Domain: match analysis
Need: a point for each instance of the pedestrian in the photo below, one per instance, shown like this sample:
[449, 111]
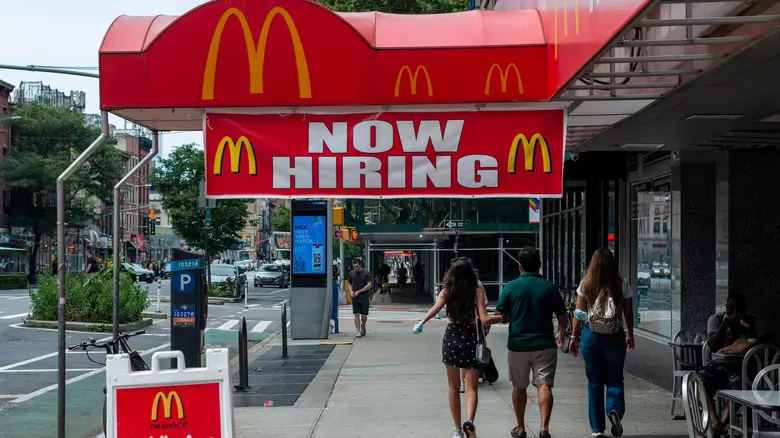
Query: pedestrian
[92, 264]
[527, 304]
[487, 331]
[605, 301]
[466, 312]
[360, 286]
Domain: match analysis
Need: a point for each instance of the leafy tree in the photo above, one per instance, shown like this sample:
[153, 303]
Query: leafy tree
[396, 6]
[178, 178]
[280, 221]
[45, 141]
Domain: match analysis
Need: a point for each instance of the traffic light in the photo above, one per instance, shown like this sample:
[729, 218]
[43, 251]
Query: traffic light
[151, 214]
[152, 226]
[145, 226]
[338, 216]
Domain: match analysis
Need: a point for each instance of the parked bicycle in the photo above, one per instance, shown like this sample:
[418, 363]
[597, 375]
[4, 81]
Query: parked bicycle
[116, 345]
[570, 300]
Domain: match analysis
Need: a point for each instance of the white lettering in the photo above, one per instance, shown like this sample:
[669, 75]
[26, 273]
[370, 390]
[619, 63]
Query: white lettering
[355, 167]
[430, 131]
[283, 172]
[320, 135]
[475, 171]
[327, 172]
[361, 136]
[396, 172]
[423, 170]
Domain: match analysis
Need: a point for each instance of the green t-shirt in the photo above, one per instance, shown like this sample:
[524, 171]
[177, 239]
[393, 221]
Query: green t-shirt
[529, 303]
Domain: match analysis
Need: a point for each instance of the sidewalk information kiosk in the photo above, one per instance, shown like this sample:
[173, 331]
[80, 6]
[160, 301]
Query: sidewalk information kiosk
[189, 308]
[311, 275]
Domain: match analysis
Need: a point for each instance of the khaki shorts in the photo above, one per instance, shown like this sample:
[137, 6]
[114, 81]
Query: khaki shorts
[542, 363]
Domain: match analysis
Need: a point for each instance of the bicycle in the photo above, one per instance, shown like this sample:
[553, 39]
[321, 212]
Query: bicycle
[116, 345]
[571, 306]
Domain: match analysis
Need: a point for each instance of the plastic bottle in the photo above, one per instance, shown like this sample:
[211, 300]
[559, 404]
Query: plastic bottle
[418, 328]
[581, 315]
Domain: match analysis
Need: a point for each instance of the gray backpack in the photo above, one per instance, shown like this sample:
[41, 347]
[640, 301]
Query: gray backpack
[604, 316]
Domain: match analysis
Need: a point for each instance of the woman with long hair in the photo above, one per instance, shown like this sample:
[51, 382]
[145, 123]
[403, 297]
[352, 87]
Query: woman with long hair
[465, 303]
[604, 299]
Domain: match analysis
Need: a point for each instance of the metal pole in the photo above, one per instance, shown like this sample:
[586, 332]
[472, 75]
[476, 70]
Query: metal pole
[117, 218]
[47, 70]
[328, 271]
[284, 331]
[159, 288]
[61, 287]
[246, 292]
[500, 263]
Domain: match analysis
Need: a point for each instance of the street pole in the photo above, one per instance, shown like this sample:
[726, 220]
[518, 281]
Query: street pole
[117, 218]
[61, 285]
[328, 269]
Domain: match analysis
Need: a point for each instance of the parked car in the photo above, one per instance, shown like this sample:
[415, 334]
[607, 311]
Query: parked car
[643, 282]
[220, 273]
[137, 272]
[166, 271]
[272, 275]
[246, 265]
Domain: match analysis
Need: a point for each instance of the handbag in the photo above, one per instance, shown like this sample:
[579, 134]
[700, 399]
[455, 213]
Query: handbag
[483, 352]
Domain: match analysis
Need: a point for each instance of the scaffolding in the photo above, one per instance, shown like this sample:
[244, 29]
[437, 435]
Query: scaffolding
[37, 92]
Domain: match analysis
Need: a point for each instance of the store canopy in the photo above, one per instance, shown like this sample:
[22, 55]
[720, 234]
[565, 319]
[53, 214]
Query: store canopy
[163, 72]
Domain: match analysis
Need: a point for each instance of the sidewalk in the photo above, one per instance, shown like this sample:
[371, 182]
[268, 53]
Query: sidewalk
[392, 383]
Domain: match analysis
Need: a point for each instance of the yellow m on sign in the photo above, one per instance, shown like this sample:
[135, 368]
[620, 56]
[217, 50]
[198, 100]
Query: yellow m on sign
[413, 79]
[529, 151]
[167, 401]
[234, 149]
[256, 54]
[504, 76]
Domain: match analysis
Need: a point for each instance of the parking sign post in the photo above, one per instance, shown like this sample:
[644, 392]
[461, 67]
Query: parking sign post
[188, 306]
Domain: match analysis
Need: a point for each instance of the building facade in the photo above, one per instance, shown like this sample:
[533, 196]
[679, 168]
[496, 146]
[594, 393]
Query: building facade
[5, 148]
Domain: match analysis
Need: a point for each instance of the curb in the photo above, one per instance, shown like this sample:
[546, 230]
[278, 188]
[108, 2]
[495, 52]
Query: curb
[89, 326]
[211, 300]
[154, 315]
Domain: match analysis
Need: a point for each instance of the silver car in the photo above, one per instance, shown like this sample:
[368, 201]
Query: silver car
[272, 275]
[220, 273]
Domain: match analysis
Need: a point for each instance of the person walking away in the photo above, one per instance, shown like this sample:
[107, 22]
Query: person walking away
[92, 264]
[606, 337]
[527, 304]
[465, 304]
[486, 328]
[359, 286]
[403, 277]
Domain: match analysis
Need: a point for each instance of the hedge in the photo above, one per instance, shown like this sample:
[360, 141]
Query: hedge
[13, 281]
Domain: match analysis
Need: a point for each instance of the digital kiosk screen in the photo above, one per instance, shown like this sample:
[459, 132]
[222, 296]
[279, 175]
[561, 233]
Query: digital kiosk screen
[309, 238]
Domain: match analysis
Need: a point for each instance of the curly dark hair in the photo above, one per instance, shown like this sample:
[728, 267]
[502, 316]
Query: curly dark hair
[461, 283]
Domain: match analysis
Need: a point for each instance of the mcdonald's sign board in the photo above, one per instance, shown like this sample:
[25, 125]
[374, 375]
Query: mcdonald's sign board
[413, 77]
[503, 74]
[389, 154]
[177, 411]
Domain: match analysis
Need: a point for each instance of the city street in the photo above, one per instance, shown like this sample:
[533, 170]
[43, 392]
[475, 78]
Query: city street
[28, 357]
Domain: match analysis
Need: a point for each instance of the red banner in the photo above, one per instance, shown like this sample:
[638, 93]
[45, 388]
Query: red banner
[457, 154]
[180, 411]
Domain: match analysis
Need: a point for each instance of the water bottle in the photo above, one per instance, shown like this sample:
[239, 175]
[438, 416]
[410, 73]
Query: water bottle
[418, 328]
[581, 315]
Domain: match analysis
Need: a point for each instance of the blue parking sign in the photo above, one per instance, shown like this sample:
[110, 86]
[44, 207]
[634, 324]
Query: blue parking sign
[183, 282]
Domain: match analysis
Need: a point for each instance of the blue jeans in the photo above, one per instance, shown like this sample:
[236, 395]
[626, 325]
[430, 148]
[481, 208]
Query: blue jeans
[604, 357]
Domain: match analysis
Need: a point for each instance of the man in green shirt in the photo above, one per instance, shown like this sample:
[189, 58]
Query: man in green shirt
[528, 304]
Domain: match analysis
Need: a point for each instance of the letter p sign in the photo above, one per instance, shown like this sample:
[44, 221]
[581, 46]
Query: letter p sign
[183, 283]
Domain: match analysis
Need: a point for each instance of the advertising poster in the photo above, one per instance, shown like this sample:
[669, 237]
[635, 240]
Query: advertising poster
[309, 245]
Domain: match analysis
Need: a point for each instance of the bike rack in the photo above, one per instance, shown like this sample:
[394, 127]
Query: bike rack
[284, 331]
[243, 358]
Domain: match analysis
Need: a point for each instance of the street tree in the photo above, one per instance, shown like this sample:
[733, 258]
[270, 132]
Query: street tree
[45, 139]
[280, 221]
[178, 179]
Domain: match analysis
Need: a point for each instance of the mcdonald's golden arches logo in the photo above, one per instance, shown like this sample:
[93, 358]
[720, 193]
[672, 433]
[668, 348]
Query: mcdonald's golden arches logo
[503, 74]
[256, 54]
[234, 149]
[529, 152]
[413, 79]
[167, 402]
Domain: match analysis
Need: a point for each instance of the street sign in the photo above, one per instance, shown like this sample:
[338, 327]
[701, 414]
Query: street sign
[183, 282]
[208, 218]
[337, 234]
[173, 404]
[455, 224]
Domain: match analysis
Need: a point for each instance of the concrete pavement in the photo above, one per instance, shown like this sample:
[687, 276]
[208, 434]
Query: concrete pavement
[392, 383]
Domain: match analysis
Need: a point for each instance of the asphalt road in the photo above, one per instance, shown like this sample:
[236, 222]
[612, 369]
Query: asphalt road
[28, 357]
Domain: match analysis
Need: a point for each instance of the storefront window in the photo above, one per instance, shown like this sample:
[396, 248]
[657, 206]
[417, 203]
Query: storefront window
[650, 208]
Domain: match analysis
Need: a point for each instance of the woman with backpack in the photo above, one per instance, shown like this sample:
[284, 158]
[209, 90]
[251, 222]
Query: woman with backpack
[465, 303]
[604, 305]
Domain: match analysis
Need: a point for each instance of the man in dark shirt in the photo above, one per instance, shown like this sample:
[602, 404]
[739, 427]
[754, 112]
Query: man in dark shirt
[360, 285]
[527, 304]
[92, 264]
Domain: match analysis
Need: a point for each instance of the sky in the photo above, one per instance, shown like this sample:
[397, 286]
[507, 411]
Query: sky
[69, 33]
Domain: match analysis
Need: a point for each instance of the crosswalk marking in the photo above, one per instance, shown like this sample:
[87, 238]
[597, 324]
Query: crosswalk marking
[228, 325]
[18, 315]
[261, 326]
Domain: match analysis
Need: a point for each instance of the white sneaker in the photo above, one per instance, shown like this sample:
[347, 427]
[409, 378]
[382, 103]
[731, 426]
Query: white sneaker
[458, 433]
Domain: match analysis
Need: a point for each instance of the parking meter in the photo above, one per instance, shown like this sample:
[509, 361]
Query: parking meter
[189, 306]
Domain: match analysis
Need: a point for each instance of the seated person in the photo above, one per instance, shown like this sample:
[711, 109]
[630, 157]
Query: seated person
[731, 333]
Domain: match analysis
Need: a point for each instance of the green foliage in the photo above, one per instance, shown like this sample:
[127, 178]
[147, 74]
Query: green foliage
[90, 298]
[226, 288]
[13, 281]
[44, 142]
[281, 219]
[396, 6]
[178, 179]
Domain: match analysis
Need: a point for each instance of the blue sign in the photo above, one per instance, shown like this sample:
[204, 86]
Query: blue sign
[309, 237]
[183, 282]
[183, 316]
[186, 265]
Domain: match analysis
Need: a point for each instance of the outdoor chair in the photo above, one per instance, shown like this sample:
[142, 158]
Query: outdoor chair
[706, 353]
[685, 358]
[756, 359]
[767, 379]
[697, 414]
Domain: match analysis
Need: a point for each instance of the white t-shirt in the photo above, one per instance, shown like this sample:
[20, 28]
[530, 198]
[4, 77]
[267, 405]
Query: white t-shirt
[627, 291]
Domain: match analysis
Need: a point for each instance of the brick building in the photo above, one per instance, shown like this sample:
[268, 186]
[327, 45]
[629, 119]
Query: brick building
[5, 144]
